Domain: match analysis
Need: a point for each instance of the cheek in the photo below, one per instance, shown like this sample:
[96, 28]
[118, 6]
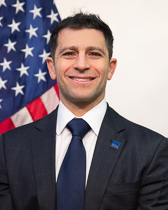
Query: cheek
[59, 69]
[100, 66]
[103, 72]
[62, 67]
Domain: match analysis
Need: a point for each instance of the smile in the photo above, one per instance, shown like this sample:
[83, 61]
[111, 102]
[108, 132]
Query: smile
[81, 79]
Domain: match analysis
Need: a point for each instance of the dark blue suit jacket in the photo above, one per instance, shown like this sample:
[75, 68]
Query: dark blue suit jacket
[134, 176]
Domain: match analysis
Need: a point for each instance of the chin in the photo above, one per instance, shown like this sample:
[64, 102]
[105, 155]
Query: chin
[85, 100]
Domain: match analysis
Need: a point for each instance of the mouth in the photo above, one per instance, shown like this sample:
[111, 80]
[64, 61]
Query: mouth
[81, 79]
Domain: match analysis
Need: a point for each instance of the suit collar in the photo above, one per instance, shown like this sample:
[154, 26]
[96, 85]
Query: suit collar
[43, 152]
[114, 120]
[104, 158]
[93, 117]
[47, 121]
[111, 118]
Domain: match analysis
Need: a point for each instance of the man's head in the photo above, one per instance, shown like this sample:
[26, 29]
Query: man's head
[81, 61]
[82, 21]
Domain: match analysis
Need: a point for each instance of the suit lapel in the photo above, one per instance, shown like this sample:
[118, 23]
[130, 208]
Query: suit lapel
[43, 152]
[104, 159]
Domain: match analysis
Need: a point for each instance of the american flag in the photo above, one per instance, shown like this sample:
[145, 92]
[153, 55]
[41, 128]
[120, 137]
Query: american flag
[26, 91]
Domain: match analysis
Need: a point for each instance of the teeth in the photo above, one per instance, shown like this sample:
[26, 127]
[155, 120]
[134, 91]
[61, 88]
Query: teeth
[80, 79]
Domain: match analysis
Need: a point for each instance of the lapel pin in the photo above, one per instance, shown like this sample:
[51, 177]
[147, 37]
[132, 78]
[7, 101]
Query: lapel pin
[115, 144]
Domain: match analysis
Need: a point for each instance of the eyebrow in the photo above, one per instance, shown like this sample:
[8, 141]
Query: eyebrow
[67, 48]
[96, 48]
[87, 49]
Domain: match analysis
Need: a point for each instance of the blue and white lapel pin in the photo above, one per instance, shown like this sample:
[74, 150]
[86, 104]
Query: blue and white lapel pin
[115, 145]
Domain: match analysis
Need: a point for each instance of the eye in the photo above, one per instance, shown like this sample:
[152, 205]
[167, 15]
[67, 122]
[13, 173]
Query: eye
[68, 54]
[95, 54]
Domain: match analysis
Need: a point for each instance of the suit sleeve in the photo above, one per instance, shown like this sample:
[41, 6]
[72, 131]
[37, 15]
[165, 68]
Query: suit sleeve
[5, 195]
[154, 185]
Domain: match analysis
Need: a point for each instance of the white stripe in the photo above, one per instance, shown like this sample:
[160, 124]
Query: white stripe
[22, 117]
[50, 99]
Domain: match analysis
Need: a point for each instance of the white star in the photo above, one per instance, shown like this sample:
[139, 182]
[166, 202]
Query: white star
[23, 70]
[10, 45]
[36, 11]
[53, 16]
[44, 55]
[32, 31]
[2, 2]
[40, 76]
[0, 21]
[2, 83]
[18, 89]
[28, 51]
[6, 64]
[18, 6]
[0, 104]
[14, 26]
[47, 36]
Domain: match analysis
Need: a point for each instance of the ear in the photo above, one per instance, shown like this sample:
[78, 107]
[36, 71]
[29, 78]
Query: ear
[51, 68]
[112, 67]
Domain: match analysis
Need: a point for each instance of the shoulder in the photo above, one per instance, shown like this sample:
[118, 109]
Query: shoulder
[131, 131]
[29, 129]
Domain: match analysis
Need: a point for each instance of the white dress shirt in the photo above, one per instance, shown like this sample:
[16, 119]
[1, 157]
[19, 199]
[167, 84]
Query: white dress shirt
[93, 117]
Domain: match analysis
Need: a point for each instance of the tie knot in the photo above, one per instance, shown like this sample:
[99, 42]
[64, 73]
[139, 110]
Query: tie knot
[78, 127]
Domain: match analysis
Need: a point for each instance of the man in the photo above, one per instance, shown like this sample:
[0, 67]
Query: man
[126, 164]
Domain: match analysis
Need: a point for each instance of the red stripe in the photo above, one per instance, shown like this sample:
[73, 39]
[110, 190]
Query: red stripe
[37, 109]
[6, 125]
[57, 90]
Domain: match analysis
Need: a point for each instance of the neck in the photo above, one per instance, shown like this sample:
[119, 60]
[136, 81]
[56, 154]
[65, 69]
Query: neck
[80, 108]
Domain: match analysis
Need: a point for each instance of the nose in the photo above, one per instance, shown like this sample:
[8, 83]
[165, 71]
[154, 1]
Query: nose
[81, 62]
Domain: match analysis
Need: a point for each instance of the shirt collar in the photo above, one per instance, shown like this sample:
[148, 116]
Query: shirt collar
[93, 117]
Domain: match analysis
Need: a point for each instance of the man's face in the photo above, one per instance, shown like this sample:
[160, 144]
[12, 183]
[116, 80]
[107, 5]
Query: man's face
[81, 66]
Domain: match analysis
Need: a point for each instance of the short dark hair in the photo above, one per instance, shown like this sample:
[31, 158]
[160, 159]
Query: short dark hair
[82, 21]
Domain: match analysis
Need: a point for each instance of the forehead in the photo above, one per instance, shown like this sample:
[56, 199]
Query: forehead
[81, 37]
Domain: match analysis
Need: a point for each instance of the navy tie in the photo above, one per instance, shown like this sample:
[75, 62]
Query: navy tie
[71, 178]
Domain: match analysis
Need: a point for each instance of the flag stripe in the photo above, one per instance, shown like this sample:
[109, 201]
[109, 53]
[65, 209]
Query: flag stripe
[50, 99]
[6, 125]
[37, 109]
[48, 102]
[21, 117]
